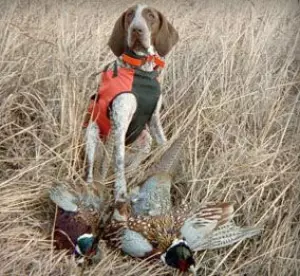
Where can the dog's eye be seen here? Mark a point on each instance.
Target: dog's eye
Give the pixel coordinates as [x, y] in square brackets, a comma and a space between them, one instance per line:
[151, 15]
[130, 15]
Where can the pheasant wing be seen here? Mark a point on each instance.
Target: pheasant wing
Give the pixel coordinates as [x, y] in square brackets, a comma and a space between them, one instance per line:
[197, 227]
[134, 244]
[63, 198]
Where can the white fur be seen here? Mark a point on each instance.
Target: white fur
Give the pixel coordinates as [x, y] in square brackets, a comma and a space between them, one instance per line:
[91, 138]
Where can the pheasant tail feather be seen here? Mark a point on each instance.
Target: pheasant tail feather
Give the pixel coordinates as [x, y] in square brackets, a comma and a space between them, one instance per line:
[226, 235]
[171, 155]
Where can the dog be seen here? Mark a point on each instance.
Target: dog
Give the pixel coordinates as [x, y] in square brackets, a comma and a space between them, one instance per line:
[140, 39]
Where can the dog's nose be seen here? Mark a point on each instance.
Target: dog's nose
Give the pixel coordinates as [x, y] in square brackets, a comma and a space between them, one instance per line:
[137, 30]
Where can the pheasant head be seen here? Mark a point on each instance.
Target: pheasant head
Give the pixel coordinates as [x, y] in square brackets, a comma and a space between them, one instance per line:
[180, 256]
[87, 248]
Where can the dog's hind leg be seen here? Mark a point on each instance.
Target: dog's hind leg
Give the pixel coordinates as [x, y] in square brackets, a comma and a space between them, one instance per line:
[156, 128]
[91, 139]
[123, 109]
[138, 151]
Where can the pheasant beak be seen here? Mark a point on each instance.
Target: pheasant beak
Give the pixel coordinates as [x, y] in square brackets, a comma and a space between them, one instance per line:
[192, 269]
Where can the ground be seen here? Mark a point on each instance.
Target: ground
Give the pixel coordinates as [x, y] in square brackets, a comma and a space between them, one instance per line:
[236, 64]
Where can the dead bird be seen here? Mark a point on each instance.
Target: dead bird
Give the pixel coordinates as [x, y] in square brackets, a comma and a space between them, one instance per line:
[77, 221]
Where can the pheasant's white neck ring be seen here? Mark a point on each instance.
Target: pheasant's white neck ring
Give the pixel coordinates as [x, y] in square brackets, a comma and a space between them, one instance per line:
[176, 242]
[86, 235]
[193, 270]
[163, 257]
[78, 250]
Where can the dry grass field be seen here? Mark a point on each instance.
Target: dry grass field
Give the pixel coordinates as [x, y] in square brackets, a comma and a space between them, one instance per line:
[237, 64]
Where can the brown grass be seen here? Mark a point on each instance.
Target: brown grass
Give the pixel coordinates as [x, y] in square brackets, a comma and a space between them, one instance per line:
[237, 63]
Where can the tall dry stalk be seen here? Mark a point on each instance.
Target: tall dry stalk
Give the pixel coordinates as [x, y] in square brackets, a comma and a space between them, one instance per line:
[237, 64]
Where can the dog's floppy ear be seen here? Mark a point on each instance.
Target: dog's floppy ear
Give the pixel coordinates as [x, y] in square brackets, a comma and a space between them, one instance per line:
[117, 40]
[166, 36]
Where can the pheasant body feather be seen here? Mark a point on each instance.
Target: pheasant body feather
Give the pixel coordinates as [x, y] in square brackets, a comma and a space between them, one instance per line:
[159, 232]
[154, 197]
[154, 194]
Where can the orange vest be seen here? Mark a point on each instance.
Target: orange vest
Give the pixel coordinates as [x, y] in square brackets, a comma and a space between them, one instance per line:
[145, 87]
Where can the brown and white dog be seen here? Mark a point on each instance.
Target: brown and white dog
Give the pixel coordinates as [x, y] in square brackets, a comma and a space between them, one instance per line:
[144, 31]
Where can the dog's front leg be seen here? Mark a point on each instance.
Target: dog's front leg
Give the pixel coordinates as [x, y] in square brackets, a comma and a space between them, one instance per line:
[91, 138]
[156, 128]
[123, 108]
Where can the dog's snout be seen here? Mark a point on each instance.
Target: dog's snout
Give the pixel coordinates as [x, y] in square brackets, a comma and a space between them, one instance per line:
[137, 30]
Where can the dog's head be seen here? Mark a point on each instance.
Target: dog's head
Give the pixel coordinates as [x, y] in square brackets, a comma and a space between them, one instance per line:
[140, 28]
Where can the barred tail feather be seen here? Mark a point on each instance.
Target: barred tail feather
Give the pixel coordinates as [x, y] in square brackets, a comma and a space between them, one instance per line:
[172, 154]
[226, 235]
[169, 158]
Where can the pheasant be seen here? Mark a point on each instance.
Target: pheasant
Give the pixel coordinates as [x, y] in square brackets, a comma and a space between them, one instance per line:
[150, 228]
[77, 222]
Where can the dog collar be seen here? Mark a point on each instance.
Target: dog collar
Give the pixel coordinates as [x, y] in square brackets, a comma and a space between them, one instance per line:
[142, 60]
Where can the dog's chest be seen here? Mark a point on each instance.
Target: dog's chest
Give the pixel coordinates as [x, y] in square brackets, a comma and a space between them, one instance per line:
[118, 80]
[146, 89]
